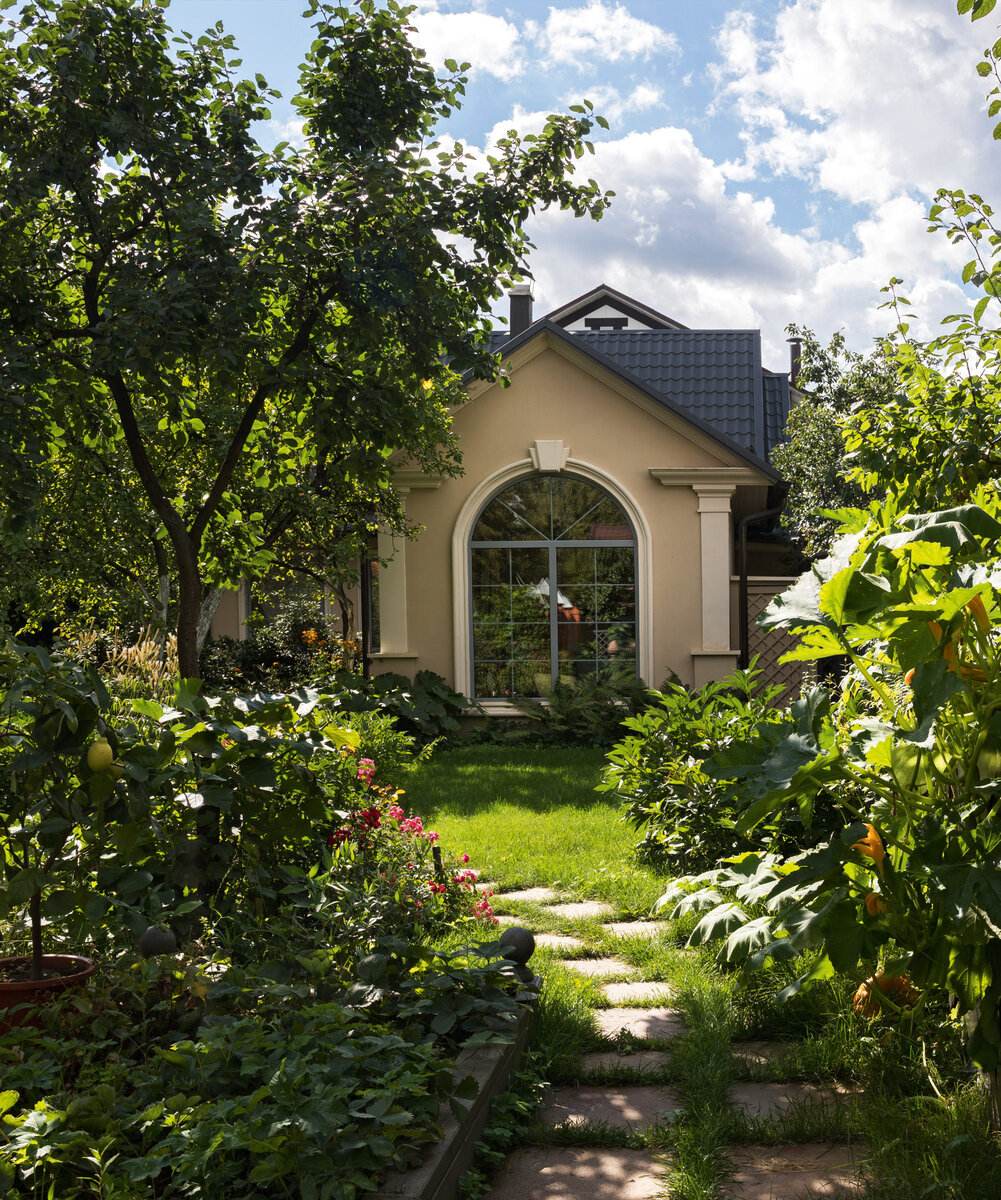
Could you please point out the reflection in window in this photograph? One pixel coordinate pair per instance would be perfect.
(553, 577)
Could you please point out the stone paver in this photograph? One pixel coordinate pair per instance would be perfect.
(629, 1106)
(642, 1060)
(599, 966)
(646, 929)
(773, 1099)
(790, 1172)
(581, 908)
(558, 941)
(641, 1022)
(536, 895)
(620, 993)
(554, 1173)
(759, 1054)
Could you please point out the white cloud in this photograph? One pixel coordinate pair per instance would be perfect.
(863, 100)
(611, 104)
(600, 31)
(289, 131)
(490, 44)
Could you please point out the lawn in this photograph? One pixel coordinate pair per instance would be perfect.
(530, 816)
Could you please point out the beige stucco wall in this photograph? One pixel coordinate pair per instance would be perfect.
(555, 395)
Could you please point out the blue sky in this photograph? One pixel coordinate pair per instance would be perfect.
(773, 159)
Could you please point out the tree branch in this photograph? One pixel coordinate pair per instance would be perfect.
(253, 411)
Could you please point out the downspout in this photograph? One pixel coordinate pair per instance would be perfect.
(781, 491)
(365, 595)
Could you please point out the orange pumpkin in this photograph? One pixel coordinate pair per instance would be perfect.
(898, 989)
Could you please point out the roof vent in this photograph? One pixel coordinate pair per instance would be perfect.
(521, 308)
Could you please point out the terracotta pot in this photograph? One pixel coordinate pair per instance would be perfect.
(21, 999)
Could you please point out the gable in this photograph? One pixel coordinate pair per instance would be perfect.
(709, 380)
(559, 391)
(605, 308)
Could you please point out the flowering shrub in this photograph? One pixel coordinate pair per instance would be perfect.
(400, 858)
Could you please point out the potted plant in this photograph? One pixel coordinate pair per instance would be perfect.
(56, 775)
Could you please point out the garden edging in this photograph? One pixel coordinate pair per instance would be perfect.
(437, 1178)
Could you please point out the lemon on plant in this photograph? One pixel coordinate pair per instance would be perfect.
(100, 756)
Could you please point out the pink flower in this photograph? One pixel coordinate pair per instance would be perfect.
(395, 812)
(432, 836)
(465, 858)
(366, 769)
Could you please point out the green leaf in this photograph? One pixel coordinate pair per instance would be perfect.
(467, 1088)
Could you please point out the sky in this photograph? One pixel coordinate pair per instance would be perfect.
(773, 160)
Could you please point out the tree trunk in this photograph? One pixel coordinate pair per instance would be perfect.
(346, 605)
(189, 604)
(206, 614)
(994, 1099)
(35, 913)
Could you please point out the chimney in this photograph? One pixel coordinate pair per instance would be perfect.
(521, 308)
(795, 357)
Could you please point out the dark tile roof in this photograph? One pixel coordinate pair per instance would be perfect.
(776, 389)
(715, 375)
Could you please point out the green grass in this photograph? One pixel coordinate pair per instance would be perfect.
(530, 816)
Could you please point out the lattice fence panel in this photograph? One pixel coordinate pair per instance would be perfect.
(769, 645)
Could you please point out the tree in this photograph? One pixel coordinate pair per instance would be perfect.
(241, 332)
(834, 381)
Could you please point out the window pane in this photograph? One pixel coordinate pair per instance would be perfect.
(583, 512)
(509, 565)
(492, 679)
(521, 512)
(546, 507)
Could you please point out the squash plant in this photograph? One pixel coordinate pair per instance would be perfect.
(910, 885)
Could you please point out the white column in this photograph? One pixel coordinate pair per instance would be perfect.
(714, 516)
(392, 549)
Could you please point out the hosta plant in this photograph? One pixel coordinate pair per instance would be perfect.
(911, 748)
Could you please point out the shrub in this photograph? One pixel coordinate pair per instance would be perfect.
(584, 712)
(656, 770)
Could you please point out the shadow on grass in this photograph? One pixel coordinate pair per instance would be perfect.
(537, 779)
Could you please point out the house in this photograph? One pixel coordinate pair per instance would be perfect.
(608, 517)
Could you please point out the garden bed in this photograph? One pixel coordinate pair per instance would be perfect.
(437, 1178)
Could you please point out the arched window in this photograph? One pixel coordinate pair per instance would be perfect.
(552, 569)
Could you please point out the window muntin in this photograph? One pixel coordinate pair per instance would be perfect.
(527, 635)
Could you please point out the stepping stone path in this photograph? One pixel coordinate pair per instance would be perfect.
(599, 966)
(585, 908)
(782, 1172)
(612, 1060)
(536, 895)
(773, 1099)
(624, 993)
(558, 941)
(628, 929)
(789, 1172)
(549, 1173)
(630, 1108)
(657, 1024)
